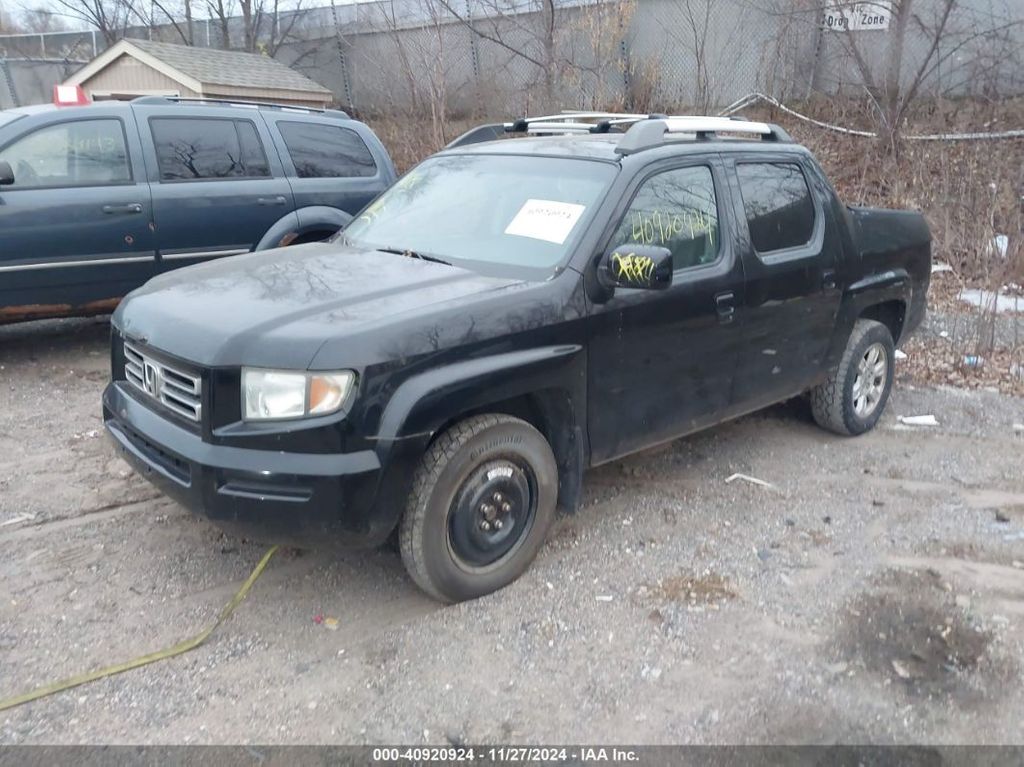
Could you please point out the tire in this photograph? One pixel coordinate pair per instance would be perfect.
(835, 403)
(446, 547)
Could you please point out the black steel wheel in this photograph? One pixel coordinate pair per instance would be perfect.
(483, 499)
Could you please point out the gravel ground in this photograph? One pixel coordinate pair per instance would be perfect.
(874, 593)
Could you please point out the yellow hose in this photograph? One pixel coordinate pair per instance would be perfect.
(178, 649)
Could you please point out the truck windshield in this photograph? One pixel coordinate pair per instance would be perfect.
(482, 211)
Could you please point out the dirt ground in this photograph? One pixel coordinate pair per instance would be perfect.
(874, 593)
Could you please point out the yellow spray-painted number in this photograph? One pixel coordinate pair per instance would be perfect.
(632, 267)
(659, 228)
(409, 180)
(406, 183)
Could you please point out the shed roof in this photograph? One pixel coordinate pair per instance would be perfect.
(194, 66)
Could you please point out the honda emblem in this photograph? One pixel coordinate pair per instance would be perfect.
(150, 378)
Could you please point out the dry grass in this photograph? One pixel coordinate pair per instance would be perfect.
(969, 191)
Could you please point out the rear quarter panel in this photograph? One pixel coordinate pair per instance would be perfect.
(897, 242)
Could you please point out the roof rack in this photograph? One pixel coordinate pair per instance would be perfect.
(575, 122)
(640, 131)
(238, 103)
(652, 133)
(564, 123)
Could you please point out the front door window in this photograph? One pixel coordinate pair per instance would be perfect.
(80, 153)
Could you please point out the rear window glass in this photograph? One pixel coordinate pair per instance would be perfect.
(326, 151)
(203, 148)
(777, 202)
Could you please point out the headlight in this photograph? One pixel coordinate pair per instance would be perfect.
(282, 394)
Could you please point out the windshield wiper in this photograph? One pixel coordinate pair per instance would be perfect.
(414, 254)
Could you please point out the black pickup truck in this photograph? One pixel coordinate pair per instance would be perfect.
(508, 314)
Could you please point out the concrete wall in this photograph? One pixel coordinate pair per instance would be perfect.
(400, 54)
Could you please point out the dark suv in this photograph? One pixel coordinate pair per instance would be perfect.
(505, 316)
(95, 200)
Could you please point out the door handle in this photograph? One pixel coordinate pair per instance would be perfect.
(828, 279)
(132, 207)
(725, 306)
(278, 200)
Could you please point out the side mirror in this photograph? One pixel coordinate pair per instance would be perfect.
(6, 173)
(646, 267)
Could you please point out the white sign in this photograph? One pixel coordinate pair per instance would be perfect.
(858, 15)
(545, 220)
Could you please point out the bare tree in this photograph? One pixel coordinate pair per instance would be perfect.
(8, 26)
(422, 55)
(265, 24)
(549, 38)
(180, 19)
(697, 15)
(222, 11)
(111, 18)
(892, 83)
(42, 20)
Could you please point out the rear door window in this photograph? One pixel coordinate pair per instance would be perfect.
(326, 151)
(778, 205)
(188, 149)
(79, 153)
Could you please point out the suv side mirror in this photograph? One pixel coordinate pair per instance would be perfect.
(6, 173)
(646, 267)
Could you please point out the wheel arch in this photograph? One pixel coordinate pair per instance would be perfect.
(303, 222)
(883, 297)
(891, 313)
(543, 387)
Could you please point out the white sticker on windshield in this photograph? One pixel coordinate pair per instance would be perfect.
(545, 220)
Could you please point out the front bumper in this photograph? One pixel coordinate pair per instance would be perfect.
(301, 499)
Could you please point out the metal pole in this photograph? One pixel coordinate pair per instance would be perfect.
(346, 83)
(474, 52)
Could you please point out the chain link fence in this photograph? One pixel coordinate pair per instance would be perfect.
(488, 56)
(469, 57)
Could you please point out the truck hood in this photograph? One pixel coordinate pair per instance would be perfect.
(276, 308)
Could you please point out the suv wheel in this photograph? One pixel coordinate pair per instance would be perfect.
(482, 501)
(852, 399)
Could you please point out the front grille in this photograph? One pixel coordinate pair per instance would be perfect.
(177, 391)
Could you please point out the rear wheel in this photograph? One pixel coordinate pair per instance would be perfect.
(852, 399)
(483, 499)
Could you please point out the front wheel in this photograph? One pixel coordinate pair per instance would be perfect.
(852, 399)
(482, 501)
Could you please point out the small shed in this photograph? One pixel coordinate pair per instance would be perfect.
(133, 68)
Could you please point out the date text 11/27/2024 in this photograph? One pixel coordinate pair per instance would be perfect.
(502, 754)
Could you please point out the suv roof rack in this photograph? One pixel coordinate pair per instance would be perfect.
(652, 133)
(639, 131)
(238, 103)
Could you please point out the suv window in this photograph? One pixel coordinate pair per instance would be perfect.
(326, 151)
(81, 153)
(678, 210)
(778, 205)
(207, 147)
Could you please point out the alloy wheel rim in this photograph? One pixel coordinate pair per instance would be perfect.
(869, 385)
